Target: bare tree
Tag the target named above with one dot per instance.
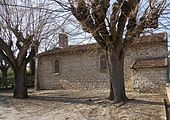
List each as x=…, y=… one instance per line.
x=115, y=28
x=25, y=23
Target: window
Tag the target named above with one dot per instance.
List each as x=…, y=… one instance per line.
x=57, y=66
x=103, y=63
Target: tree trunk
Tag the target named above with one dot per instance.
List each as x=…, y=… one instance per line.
x=20, y=90
x=116, y=70
x=4, y=77
x=109, y=64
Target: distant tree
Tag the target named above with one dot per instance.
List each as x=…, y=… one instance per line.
x=115, y=28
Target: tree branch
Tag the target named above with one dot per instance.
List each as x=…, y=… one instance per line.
x=4, y=47
x=6, y=58
x=31, y=55
x=92, y=19
x=114, y=19
x=125, y=11
x=23, y=51
x=149, y=19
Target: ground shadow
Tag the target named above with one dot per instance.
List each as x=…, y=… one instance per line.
x=137, y=101
x=97, y=99
x=6, y=90
x=65, y=99
x=89, y=100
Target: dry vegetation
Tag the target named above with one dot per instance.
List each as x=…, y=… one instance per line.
x=79, y=105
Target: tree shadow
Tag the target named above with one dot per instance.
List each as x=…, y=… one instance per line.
x=65, y=98
x=97, y=100
x=6, y=90
x=137, y=101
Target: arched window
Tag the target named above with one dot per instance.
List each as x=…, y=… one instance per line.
x=57, y=66
x=103, y=64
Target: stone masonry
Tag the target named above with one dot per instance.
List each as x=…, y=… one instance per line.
x=79, y=66
x=77, y=71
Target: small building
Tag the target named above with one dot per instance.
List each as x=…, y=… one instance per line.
x=84, y=66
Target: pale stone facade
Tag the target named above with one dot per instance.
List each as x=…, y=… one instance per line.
x=77, y=71
x=79, y=66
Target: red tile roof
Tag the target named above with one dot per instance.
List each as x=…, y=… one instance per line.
x=149, y=63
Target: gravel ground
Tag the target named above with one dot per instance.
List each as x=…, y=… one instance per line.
x=79, y=105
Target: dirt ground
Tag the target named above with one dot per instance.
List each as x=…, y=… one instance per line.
x=79, y=105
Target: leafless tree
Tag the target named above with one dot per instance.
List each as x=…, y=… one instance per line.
x=114, y=25
x=25, y=24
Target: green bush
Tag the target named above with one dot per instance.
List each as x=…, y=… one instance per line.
x=10, y=72
x=10, y=79
x=30, y=80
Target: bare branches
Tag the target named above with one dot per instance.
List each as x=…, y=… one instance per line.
x=82, y=14
x=6, y=51
x=31, y=54
x=123, y=22
x=128, y=19
x=6, y=58
x=133, y=15
x=125, y=11
x=26, y=25
x=92, y=17
x=114, y=19
x=38, y=7
x=149, y=19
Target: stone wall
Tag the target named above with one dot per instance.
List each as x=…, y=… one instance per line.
x=153, y=50
x=150, y=80
x=77, y=71
x=80, y=70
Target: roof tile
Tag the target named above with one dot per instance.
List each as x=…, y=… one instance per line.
x=150, y=63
